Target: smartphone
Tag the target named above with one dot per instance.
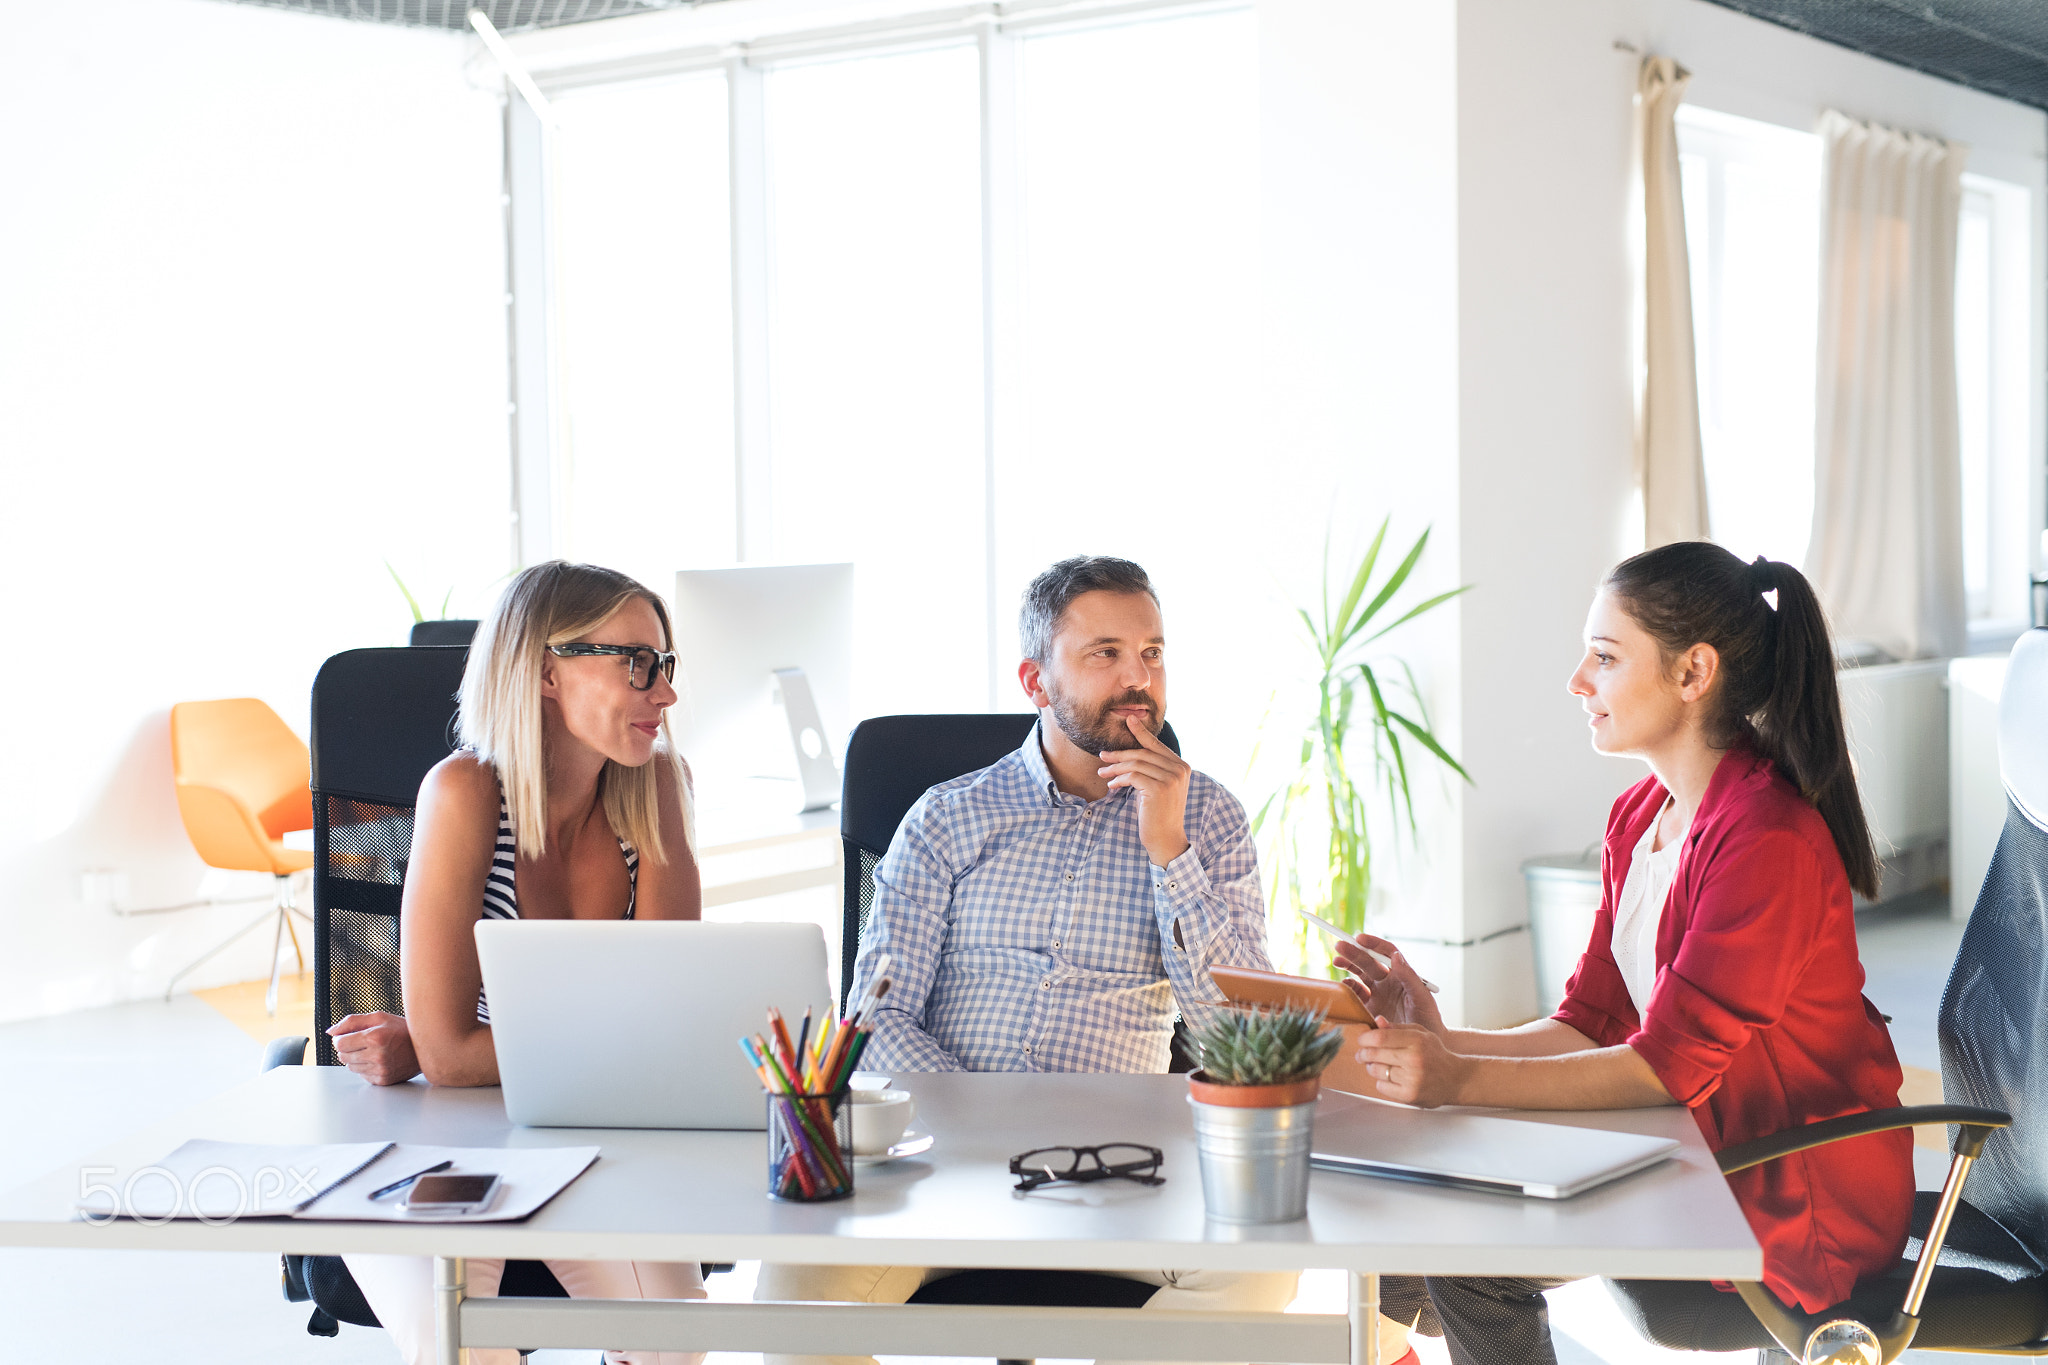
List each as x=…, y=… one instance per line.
x=451, y=1194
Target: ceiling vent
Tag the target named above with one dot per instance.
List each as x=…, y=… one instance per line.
x=1999, y=46
x=510, y=16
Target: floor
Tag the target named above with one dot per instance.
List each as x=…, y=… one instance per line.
x=102, y=1073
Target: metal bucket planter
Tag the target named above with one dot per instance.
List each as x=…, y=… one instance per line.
x=1253, y=1142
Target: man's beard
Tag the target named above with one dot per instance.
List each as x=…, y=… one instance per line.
x=1102, y=732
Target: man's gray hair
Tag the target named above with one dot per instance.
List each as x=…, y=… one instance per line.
x=1052, y=592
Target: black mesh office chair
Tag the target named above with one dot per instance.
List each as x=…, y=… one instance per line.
x=890, y=762
x=1987, y=1287
x=381, y=718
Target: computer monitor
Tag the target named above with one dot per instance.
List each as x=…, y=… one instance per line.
x=736, y=628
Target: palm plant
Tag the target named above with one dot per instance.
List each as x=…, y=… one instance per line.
x=1369, y=733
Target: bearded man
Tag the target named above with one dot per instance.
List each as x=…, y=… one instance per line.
x=1053, y=910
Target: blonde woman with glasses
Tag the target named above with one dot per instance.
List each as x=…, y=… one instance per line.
x=567, y=800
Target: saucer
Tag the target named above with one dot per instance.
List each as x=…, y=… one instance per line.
x=913, y=1144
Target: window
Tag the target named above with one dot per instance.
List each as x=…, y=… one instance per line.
x=1137, y=334
x=1991, y=389
x=1752, y=227
x=995, y=300
x=642, y=324
x=1752, y=206
x=874, y=359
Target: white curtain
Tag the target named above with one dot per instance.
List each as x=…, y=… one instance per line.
x=1887, y=552
x=1669, y=467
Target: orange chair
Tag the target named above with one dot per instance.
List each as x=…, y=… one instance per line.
x=244, y=781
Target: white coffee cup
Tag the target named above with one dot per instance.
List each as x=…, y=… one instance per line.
x=879, y=1119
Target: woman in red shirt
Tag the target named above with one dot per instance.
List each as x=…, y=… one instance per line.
x=1722, y=973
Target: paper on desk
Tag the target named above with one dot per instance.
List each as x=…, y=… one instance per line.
x=529, y=1177
x=219, y=1181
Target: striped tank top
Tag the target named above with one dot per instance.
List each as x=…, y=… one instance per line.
x=501, y=887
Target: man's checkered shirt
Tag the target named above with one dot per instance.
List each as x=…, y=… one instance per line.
x=1029, y=931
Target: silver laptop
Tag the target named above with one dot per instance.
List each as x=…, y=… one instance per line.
x=1476, y=1151
x=623, y=1024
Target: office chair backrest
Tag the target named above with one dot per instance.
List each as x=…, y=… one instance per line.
x=443, y=632
x=890, y=762
x=241, y=781
x=1994, y=1013
x=381, y=719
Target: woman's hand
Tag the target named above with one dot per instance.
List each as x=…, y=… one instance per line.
x=377, y=1047
x=1409, y=1063
x=1394, y=991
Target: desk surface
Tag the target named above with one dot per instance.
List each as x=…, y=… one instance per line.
x=663, y=1195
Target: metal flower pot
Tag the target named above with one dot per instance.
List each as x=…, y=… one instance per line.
x=1253, y=1142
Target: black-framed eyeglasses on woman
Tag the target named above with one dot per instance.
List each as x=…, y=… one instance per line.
x=644, y=663
x=1110, y=1161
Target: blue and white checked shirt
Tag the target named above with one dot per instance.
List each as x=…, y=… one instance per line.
x=1029, y=931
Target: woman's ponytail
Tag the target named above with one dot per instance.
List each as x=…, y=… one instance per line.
x=1777, y=690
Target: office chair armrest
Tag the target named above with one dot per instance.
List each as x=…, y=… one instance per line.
x=1788, y=1325
x=285, y=1052
x=1976, y=1126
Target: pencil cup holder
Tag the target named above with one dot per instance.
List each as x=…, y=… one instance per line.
x=810, y=1146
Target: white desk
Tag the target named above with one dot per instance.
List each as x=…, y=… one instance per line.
x=752, y=841
x=679, y=1196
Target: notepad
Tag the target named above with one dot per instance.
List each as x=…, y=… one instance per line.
x=1249, y=986
x=221, y=1182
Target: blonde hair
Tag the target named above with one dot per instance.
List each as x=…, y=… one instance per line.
x=498, y=713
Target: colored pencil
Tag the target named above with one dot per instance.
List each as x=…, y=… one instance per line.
x=827, y=1164
x=796, y=1163
x=853, y=1053
x=779, y=1033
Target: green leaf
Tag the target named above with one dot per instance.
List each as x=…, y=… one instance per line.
x=1325, y=579
x=1264, y=807
x=1342, y=628
x=1390, y=587
x=1428, y=741
x=1414, y=612
x=1315, y=636
x=1383, y=718
x=417, y=614
x=1415, y=691
x=446, y=598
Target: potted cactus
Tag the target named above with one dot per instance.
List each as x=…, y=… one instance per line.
x=1254, y=1101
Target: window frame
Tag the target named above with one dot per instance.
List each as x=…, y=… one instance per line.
x=700, y=42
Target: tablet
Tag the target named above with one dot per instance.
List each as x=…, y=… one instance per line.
x=1250, y=986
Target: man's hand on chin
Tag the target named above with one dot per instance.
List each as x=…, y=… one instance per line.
x=1161, y=779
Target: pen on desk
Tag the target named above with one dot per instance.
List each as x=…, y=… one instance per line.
x=395, y=1186
x=1334, y=932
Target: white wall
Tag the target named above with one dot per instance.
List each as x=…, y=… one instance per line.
x=1359, y=248
x=1545, y=464
x=1480, y=329
x=251, y=345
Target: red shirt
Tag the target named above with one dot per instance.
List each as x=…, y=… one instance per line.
x=1758, y=1023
